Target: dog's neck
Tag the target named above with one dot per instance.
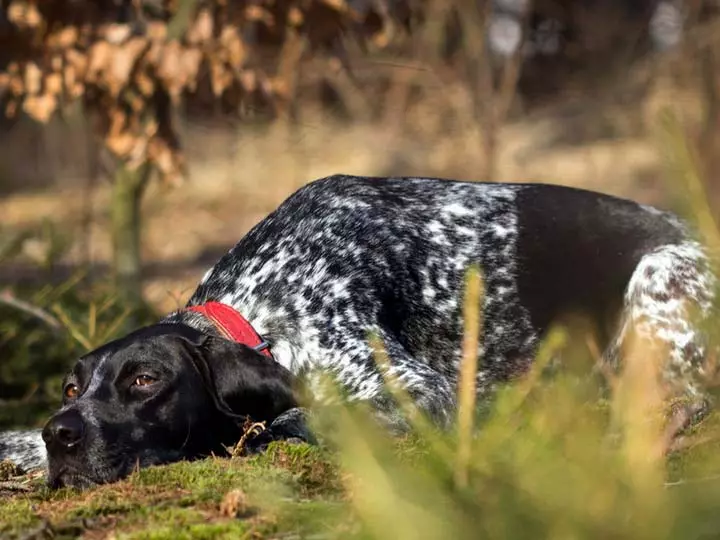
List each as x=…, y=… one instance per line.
x=194, y=320
x=215, y=318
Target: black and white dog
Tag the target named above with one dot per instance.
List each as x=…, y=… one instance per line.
x=345, y=257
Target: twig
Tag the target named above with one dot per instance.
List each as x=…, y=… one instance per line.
x=9, y=299
x=14, y=486
x=692, y=481
x=250, y=429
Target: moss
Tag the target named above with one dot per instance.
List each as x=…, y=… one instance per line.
x=196, y=531
x=313, y=468
x=17, y=514
x=182, y=500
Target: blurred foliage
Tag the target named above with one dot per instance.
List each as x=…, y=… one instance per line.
x=559, y=455
x=133, y=63
x=550, y=461
x=45, y=327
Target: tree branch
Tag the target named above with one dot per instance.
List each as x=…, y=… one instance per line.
x=9, y=299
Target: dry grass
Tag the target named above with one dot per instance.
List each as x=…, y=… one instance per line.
x=237, y=178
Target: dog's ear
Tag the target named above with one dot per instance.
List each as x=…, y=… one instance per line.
x=242, y=381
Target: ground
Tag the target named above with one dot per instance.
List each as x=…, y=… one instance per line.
x=288, y=491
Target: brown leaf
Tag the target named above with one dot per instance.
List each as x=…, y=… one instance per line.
x=170, y=69
x=144, y=83
x=280, y=88
x=123, y=62
x=100, y=56
x=54, y=84
x=233, y=47
x=118, y=121
x=337, y=5
x=66, y=37
x=295, y=16
x=33, y=78
x=265, y=86
x=115, y=33
x=77, y=90
x=191, y=59
x=201, y=29
x=168, y=159
x=256, y=13
x=56, y=62
x=78, y=61
x=17, y=86
x=169, y=66
x=381, y=39
x=234, y=504
x=154, y=54
x=151, y=128
x=24, y=14
x=41, y=108
x=156, y=31
x=16, y=13
x=120, y=144
x=161, y=154
x=137, y=103
x=139, y=153
x=248, y=80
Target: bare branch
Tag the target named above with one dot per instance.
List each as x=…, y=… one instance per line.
x=9, y=299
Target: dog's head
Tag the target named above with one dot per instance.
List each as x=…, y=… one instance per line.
x=163, y=393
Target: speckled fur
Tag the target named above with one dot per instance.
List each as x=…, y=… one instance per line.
x=24, y=448
x=345, y=256
x=670, y=292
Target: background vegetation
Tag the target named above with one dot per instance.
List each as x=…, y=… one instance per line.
x=142, y=138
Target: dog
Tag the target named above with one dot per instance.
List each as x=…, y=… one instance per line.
x=347, y=257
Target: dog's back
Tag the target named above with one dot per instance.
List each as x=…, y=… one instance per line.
x=347, y=255
x=578, y=249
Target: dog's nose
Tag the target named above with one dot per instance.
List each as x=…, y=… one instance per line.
x=65, y=429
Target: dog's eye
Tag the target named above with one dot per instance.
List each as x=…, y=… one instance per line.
x=144, y=380
x=71, y=391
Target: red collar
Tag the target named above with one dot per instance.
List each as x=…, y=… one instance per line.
x=232, y=325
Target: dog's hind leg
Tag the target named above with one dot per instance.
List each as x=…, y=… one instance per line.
x=429, y=391
x=668, y=298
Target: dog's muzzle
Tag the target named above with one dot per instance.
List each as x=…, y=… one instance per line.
x=64, y=431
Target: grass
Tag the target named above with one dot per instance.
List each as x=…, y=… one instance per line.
x=291, y=488
x=557, y=455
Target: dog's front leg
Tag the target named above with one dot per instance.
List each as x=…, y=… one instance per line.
x=26, y=449
x=290, y=426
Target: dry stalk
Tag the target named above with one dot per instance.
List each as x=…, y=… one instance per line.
x=472, y=315
x=250, y=430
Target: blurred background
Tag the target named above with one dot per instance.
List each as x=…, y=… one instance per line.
x=140, y=139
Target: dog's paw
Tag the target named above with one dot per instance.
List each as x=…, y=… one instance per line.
x=293, y=424
x=291, y=427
